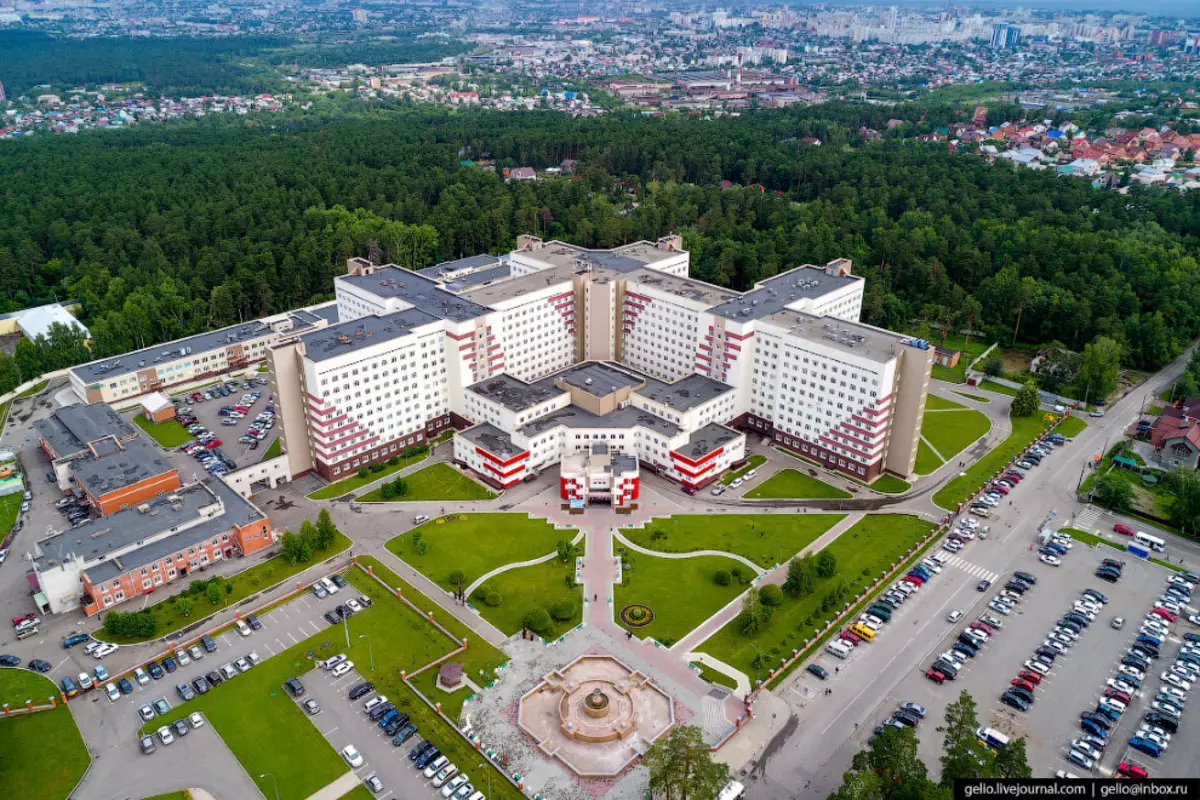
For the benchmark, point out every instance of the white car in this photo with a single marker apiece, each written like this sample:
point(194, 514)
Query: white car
point(450, 788)
point(114, 694)
point(253, 658)
point(354, 605)
point(1120, 685)
point(242, 664)
point(196, 719)
point(1057, 647)
point(1000, 608)
point(1087, 748)
point(243, 628)
point(164, 735)
point(1037, 666)
point(1175, 680)
point(352, 756)
point(447, 772)
point(183, 658)
point(1067, 633)
point(333, 661)
point(342, 668)
point(1053, 561)
point(1125, 669)
point(104, 650)
point(954, 616)
point(735, 483)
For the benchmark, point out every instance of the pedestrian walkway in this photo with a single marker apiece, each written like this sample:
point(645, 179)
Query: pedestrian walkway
point(1087, 519)
point(343, 785)
point(973, 570)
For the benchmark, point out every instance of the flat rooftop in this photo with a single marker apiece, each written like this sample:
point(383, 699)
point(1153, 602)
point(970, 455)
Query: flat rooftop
point(69, 429)
point(855, 338)
point(704, 441)
point(359, 334)
point(699, 292)
point(515, 394)
point(418, 291)
point(483, 277)
point(492, 439)
point(149, 357)
point(118, 467)
point(576, 417)
point(685, 393)
point(777, 293)
point(445, 269)
point(597, 378)
point(329, 313)
point(626, 258)
point(501, 291)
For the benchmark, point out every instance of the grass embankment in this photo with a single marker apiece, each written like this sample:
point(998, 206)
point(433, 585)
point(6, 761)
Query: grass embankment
point(37, 388)
point(890, 484)
point(10, 508)
point(998, 388)
point(765, 539)
point(170, 434)
point(948, 432)
point(354, 482)
point(957, 373)
point(1071, 426)
point(436, 482)
point(863, 552)
point(44, 755)
point(274, 449)
point(712, 676)
point(680, 591)
point(18, 685)
point(927, 460)
point(1024, 431)
point(793, 484)
point(978, 398)
point(935, 402)
point(245, 583)
point(755, 462)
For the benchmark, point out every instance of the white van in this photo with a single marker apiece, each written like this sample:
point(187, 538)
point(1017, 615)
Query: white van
point(420, 519)
point(838, 649)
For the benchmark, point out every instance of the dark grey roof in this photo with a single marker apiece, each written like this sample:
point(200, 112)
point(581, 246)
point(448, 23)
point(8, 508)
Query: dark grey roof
point(445, 268)
point(597, 378)
point(358, 334)
point(329, 312)
point(482, 277)
point(709, 438)
point(685, 393)
point(515, 394)
point(148, 358)
point(417, 290)
point(117, 468)
point(775, 294)
point(685, 288)
point(128, 526)
point(68, 430)
point(576, 417)
point(618, 463)
point(492, 439)
point(302, 320)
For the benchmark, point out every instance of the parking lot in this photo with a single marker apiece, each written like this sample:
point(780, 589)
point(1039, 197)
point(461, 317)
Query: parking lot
point(207, 413)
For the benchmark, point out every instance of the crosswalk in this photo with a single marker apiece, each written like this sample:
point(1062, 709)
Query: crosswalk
point(1088, 518)
point(971, 569)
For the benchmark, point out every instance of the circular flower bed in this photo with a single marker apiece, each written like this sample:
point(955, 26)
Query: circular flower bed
point(636, 615)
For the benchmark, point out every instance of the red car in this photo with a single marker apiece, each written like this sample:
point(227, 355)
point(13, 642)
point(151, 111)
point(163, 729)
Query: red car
point(212, 443)
point(1023, 684)
point(935, 676)
point(1125, 529)
point(1012, 476)
point(1164, 613)
point(1132, 770)
point(1117, 694)
point(1030, 675)
point(850, 637)
point(979, 626)
point(997, 487)
point(17, 620)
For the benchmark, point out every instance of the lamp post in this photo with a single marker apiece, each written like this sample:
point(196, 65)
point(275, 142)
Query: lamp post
point(346, 625)
point(757, 664)
point(487, 772)
point(273, 782)
point(370, 649)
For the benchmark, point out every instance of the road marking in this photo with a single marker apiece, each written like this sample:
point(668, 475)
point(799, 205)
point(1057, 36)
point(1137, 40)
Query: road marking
point(293, 638)
point(330, 731)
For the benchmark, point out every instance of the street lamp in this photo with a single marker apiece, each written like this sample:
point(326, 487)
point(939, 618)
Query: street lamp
point(488, 772)
point(370, 649)
point(757, 664)
point(273, 781)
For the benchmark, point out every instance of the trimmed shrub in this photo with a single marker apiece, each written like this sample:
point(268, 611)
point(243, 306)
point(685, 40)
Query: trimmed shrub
point(736, 571)
point(722, 577)
point(482, 590)
point(456, 577)
point(563, 610)
point(771, 595)
point(393, 461)
point(493, 599)
point(537, 620)
point(363, 472)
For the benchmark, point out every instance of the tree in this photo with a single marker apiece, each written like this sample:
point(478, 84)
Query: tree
point(1184, 485)
point(801, 576)
point(771, 595)
point(1113, 491)
point(682, 767)
point(388, 490)
point(993, 367)
point(563, 610)
point(185, 605)
point(1100, 368)
point(1011, 761)
point(722, 577)
point(326, 531)
point(754, 614)
point(213, 593)
point(537, 620)
point(565, 550)
point(1187, 386)
point(295, 549)
point(308, 533)
point(963, 755)
point(1027, 401)
point(826, 564)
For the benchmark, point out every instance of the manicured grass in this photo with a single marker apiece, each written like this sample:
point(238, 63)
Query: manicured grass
point(958, 373)
point(436, 482)
point(1090, 538)
point(680, 591)
point(526, 588)
point(934, 402)
point(169, 434)
point(765, 539)
point(712, 676)
point(274, 449)
point(18, 685)
point(1153, 411)
point(475, 544)
point(245, 583)
point(44, 755)
point(863, 552)
point(37, 388)
point(1071, 426)
point(10, 508)
point(1024, 431)
point(978, 398)
point(998, 388)
point(927, 460)
point(755, 463)
point(480, 659)
point(949, 432)
point(183, 794)
point(347, 485)
point(452, 702)
point(890, 484)
point(792, 483)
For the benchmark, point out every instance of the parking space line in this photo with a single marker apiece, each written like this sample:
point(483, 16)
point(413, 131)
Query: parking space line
point(293, 638)
point(278, 642)
point(330, 731)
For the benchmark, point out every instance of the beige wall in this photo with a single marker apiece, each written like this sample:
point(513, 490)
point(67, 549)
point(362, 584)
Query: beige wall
point(913, 372)
point(597, 405)
point(290, 405)
point(598, 322)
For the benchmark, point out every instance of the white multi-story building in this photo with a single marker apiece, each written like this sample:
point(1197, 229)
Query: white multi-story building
point(556, 354)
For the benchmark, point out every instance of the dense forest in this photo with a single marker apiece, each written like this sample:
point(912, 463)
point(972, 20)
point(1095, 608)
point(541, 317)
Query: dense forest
point(161, 232)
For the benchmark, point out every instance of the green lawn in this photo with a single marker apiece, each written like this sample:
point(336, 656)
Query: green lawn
point(475, 544)
point(436, 482)
point(10, 508)
point(480, 659)
point(890, 484)
point(792, 483)
point(274, 449)
point(956, 374)
point(1090, 538)
point(37, 388)
point(18, 685)
point(978, 398)
point(347, 485)
point(169, 434)
point(43, 755)
point(1024, 431)
point(452, 702)
point(680, 591)
point(526, 588)
point(712, 676)
point(765, 539)
point(934, 402)
point(998, 388)
point(182, 795)
point(949, 432)
point(927, 460)
point(755, 462)
point(1071, 426)
point(1153, 411)
point(863, 552)
point(245, 583)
